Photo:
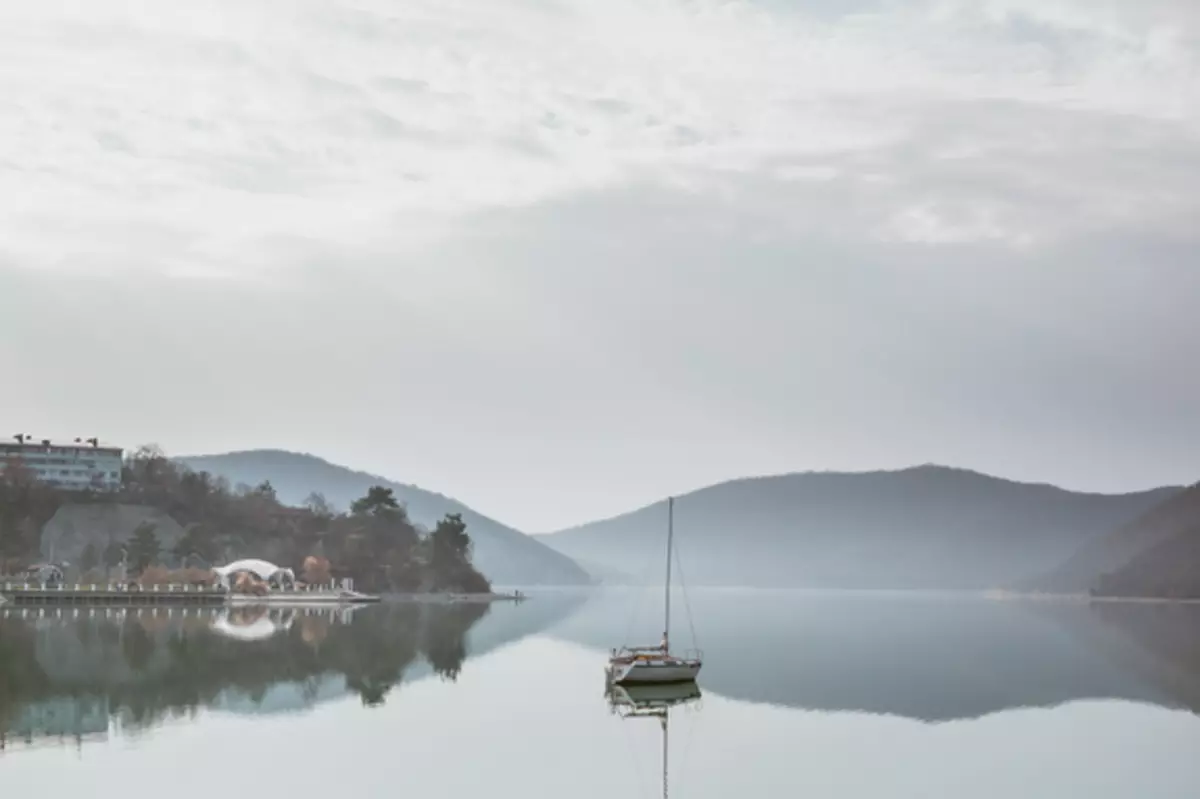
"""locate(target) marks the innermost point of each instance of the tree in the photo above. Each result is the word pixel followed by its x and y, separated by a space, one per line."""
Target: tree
pixel 318 505
pixel 18 541
pixel 199 540
pixel 450 539
pixel 449 548
pixel 26 504
pixel 316 570
pixel 143 547
pixel 148 474
pixel 377 543
pixel 378 501
pixel 196 495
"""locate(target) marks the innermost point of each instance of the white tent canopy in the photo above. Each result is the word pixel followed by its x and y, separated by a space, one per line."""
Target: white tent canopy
pixel 263 570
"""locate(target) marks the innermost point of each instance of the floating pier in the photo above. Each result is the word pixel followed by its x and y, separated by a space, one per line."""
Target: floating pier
pixel 26 594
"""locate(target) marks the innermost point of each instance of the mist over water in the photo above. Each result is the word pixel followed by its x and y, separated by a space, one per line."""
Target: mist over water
pixel 848 694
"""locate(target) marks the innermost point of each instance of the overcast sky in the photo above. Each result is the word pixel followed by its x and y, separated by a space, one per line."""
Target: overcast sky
pixel 558 258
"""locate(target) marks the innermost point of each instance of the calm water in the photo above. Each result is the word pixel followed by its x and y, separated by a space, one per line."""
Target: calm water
pixel 802 694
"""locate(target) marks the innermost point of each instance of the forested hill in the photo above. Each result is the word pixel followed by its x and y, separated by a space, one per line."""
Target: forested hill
pixel 505 555
pixel 1155 555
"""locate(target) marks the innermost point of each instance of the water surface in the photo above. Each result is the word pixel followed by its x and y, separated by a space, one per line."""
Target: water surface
pixel 832 694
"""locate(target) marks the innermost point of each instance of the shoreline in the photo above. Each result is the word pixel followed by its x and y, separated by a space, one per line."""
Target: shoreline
pixel 26 595
pixel 1090 598
pixel 443 598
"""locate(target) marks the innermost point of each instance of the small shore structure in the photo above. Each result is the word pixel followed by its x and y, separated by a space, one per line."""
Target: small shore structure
pixel 267 572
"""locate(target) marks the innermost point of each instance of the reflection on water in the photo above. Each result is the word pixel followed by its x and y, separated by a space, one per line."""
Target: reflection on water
pixel 930 657
pixel 848 695
pixel 65 673
pixel 654 702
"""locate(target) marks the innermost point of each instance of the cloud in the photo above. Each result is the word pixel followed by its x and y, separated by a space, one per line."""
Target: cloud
pixel 699 237
pixel 246 120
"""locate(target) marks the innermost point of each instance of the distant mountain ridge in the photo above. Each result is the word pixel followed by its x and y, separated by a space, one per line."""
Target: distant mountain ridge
pixel 505 555
pixel 923 527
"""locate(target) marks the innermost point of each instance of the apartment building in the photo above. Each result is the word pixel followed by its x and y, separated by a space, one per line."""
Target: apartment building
pixel 76 466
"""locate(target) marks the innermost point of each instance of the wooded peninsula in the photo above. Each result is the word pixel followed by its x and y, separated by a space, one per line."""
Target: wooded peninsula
pixel 204 522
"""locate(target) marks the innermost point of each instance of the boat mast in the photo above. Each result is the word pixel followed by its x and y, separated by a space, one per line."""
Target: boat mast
pixel 666 732
pixel 670 535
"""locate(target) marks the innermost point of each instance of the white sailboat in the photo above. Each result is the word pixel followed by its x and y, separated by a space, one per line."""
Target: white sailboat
pixel 656 664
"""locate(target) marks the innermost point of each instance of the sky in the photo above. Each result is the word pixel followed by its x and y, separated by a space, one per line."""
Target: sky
pixel 559 258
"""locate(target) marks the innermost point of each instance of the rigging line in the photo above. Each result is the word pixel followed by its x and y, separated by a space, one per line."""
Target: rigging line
pixel 687 604
pixel 639 598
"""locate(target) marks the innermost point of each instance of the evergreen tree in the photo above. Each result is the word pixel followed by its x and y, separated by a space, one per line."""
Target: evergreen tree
pixel 143 547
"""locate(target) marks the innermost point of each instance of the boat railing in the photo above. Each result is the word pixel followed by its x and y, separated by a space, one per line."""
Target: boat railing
pixel 693 654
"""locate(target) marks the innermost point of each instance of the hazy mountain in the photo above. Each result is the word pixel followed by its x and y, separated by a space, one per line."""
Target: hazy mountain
pixel 1155 554
pixel 1170 567
pixel 923 527
pixel 506 556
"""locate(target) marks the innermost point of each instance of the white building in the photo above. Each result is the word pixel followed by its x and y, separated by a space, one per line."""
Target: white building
pixel 83 464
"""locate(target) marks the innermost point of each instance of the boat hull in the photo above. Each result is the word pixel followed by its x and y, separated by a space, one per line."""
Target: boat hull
pixel 654 672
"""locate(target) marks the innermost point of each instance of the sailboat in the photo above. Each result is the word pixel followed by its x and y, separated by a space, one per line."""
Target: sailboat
pixel 655 664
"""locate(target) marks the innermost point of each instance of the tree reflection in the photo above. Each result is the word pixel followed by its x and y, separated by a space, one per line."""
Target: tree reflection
pixel 146 667
pixel 444 643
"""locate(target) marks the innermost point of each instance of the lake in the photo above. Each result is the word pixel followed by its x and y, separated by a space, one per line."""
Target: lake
pixel 822 693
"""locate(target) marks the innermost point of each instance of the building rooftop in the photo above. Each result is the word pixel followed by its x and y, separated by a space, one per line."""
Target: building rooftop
pixel 30 444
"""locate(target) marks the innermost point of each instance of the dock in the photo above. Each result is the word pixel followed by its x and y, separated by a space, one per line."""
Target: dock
pixel 27 595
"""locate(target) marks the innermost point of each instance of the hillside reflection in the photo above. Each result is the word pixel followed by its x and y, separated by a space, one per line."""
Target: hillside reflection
pixel 934 658
pixel 68 674
pixel 931 658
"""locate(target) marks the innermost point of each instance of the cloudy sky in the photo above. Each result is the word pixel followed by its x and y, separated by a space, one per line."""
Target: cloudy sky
pixel 560 257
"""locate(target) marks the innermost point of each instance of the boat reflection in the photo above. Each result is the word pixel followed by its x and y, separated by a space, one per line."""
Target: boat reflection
pixel 650 700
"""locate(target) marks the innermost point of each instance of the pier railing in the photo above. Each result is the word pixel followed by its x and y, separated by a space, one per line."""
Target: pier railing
pixel 170 588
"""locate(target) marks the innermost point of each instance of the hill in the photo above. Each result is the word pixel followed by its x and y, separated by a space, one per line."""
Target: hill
pixel 1169 567
pixel 506 556
pixel 923 527
pixel 1155 554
